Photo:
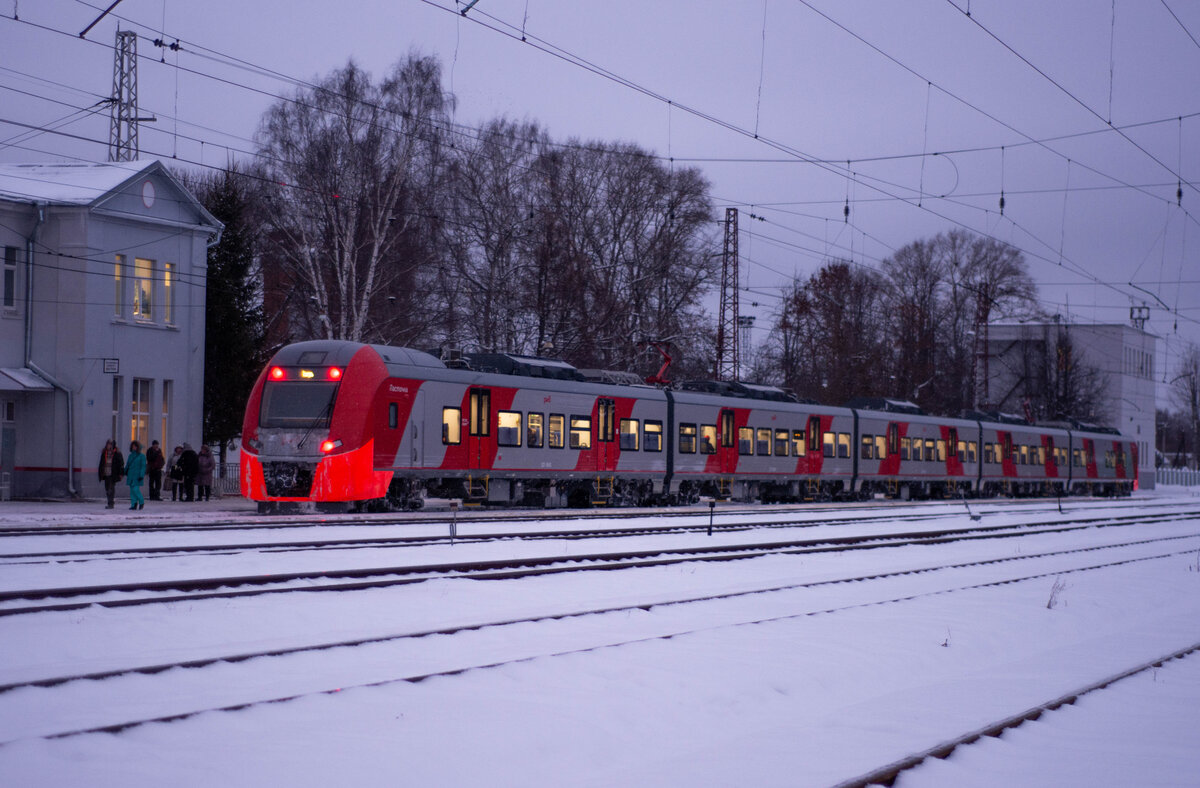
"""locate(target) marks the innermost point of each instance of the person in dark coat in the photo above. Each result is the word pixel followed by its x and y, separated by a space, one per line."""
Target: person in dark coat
pixel 205 462
pixel 112 468
pixel 191 467
pixel 135 474
pixel 154 465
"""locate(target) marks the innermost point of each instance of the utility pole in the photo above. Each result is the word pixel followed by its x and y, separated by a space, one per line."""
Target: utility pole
pixel 123 133
pixel 726 367
pixel 982 310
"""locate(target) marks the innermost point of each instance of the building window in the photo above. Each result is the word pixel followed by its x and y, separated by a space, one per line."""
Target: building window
pixel 164 430
pixel 10 277
pixel 169 292
pixel 139 411
pixel 119 287
pixel 8 411
pixel 143 289
pixel 116 407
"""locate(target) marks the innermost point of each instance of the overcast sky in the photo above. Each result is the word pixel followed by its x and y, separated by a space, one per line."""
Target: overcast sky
pixel 1095 104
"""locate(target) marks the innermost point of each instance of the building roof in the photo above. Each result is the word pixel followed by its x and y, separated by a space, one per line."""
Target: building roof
pixel 85 184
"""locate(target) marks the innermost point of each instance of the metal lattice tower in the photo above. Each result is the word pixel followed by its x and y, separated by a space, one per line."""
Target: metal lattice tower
pixel 123 134
pixel 727 363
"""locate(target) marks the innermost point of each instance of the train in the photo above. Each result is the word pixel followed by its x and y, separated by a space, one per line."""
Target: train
pixel 346 425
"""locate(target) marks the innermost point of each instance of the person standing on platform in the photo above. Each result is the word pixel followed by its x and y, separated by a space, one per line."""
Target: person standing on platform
pixel 112 467
pixel 191 467
pixel 135 474
pixel 154 465
pixel 204 478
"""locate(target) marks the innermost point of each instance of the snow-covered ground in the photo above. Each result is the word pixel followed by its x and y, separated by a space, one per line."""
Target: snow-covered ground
pixel 802 685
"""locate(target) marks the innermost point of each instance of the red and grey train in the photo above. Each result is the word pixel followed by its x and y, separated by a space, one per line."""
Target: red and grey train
pixel 342 423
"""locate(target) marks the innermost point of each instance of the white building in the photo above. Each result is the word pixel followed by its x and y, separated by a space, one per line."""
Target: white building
pixel 1123 354
pixel 101 318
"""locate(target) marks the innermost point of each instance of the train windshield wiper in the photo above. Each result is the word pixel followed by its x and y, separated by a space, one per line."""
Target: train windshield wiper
pixel 325 413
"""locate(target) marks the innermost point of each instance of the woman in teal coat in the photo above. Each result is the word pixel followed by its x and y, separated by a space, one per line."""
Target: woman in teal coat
pixel 135 473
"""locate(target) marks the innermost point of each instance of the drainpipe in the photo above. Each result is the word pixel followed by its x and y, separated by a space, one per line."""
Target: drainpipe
pixel 39 212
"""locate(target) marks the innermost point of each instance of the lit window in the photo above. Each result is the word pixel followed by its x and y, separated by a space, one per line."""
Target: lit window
pixel 169 292
pixel 533 434
pixel 166 413
pixel 451 426
pixel 687 438
pixel 119 287
pixel 781 443
pixel 708 439
pixel 556 431
pixel 843 440
pixel 509 432
pixel 143 289
pixel 745 440
pixel 581 432
pixel 880 446
pixel 827 441
pixel 798 442
pixel 652 436
pixel 629 434
pixel 139 411
pixel 868 448
pixel 762 445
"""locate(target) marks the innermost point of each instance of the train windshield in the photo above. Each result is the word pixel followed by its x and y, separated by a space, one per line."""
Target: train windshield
pixel 297 405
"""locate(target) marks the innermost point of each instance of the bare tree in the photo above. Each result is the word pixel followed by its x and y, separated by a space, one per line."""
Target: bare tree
pixel 350 161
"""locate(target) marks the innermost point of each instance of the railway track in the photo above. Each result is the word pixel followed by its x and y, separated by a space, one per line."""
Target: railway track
pixel 600 638
pixel 889 773
pixel 511 568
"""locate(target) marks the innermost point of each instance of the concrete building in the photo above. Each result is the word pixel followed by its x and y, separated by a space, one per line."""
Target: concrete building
pixel 101 318
pixel 1123 355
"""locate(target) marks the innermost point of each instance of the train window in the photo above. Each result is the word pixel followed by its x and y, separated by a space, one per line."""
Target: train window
pixel 727 429
pixel 708 439
pixel 509 428
pixel 918 449
pixel 533 431
pixel 762 446
pixel 652 435
pixel 868 447
pixel 905 448
pixel 941 450
pixel 962 451
pixel 745 440
pixel 843 443
pixel 972 448
pixel 581 432
pixel 827 443
pixel 781 443
pixel 297 405
pixel 556 429
pixel 953 436
pixel 481 412
pixel 1024 459
pixel 930 448
pixel 451 426
pixel 814 433
pixel 687 438
pixel 893 439
pixel 798 442
pixel 880 447
pixel 393 415
pixel 629 434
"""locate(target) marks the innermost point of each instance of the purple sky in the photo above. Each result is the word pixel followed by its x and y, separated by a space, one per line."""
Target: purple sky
pixel 778 67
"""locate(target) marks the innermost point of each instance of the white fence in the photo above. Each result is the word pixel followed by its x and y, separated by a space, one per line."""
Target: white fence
pixel 230 484
pixel 1184 477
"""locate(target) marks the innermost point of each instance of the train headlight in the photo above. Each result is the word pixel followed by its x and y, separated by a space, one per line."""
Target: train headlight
pixel 335 373
pixel 277 373
pixel 328 446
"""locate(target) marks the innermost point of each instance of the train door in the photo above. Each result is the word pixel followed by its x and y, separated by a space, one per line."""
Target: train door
pixel 480 446
pixel 607 448
pixel 416 419
pixel 727 453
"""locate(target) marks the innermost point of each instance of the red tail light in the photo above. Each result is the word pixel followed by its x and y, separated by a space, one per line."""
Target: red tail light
pixel 328 446
pixel 277 373
pixel 335 373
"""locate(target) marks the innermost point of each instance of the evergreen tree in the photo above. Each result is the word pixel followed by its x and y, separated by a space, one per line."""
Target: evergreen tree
pixel 233 341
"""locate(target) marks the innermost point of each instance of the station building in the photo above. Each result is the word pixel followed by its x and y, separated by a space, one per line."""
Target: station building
pixel 1124 356
pixel 101 319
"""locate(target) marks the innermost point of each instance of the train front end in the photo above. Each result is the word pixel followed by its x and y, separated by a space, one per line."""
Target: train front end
pixel 306 436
